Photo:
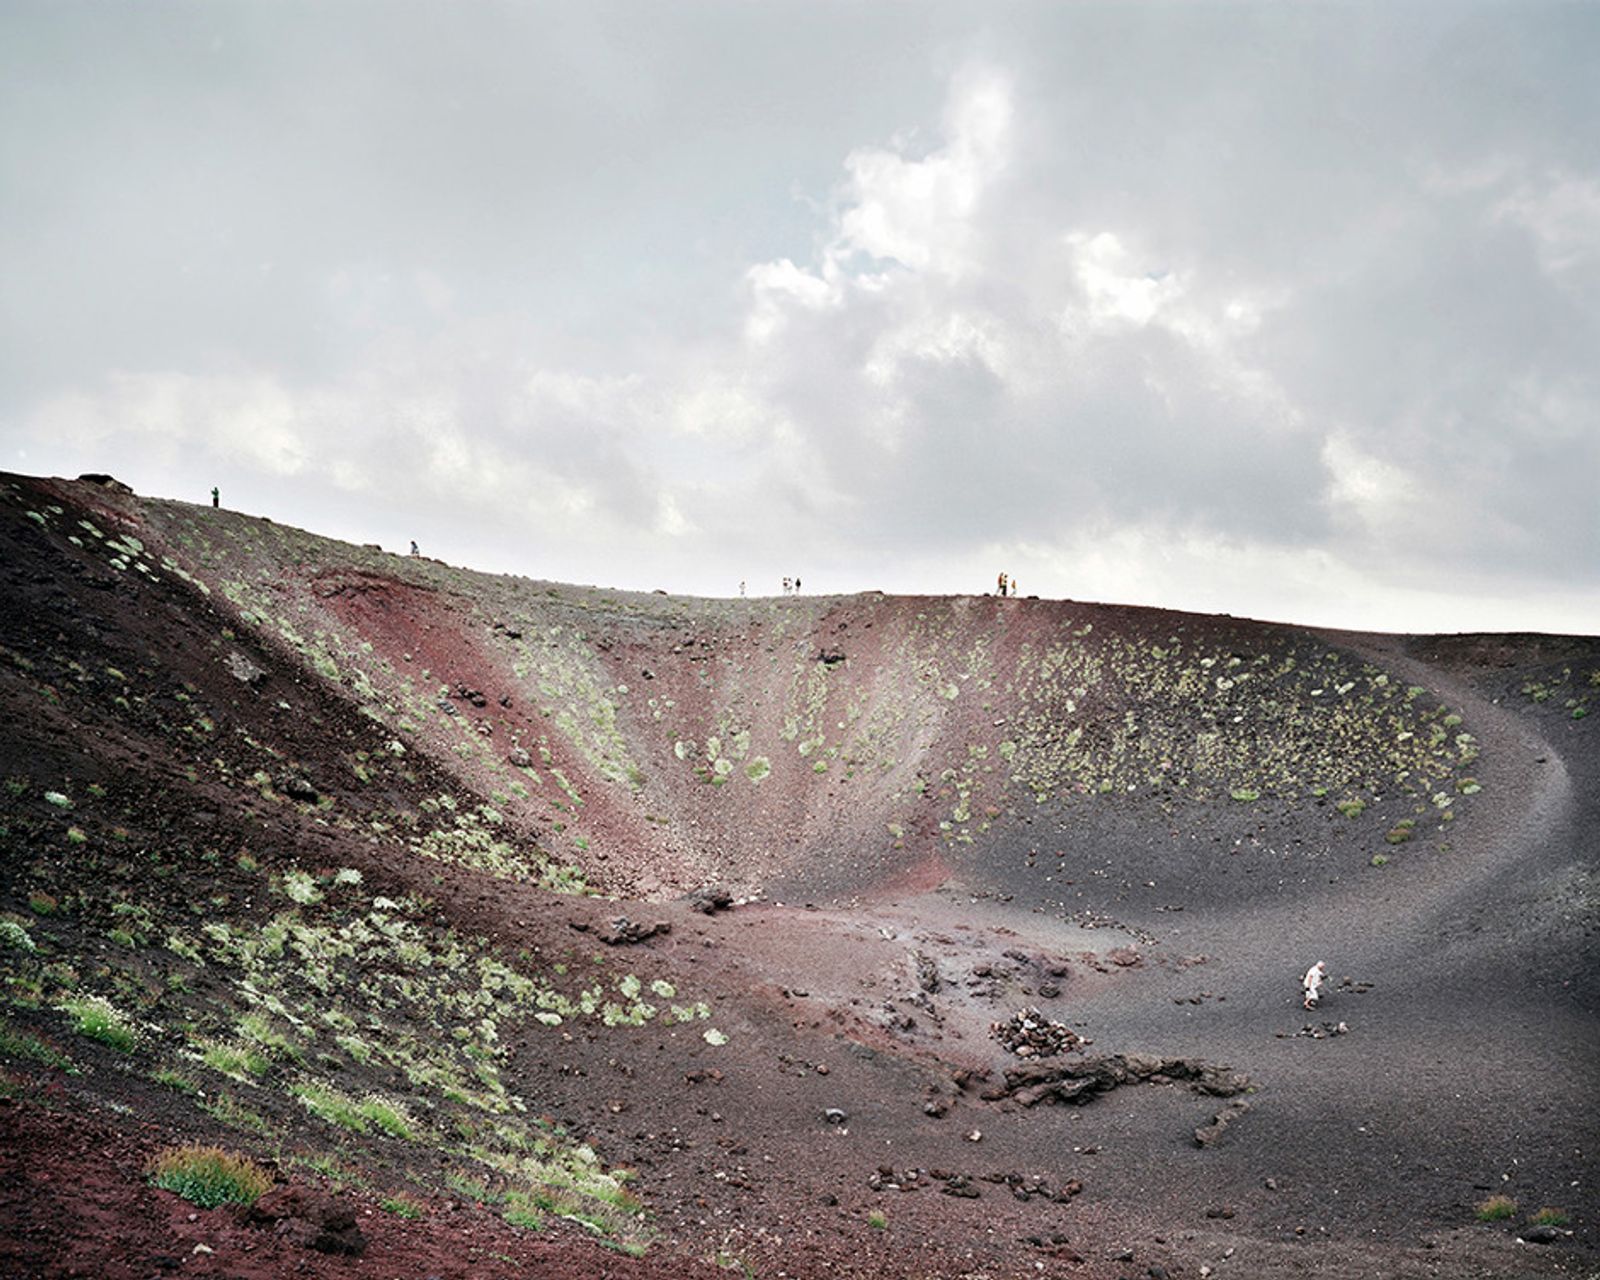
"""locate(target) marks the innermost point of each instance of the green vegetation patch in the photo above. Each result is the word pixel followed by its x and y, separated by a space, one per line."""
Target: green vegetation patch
pixel 16 1043
pixel 98 1019
pixel 360 1115
pixel 209 1176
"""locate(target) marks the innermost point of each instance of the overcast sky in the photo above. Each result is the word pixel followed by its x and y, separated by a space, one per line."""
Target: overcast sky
pixel 1280 310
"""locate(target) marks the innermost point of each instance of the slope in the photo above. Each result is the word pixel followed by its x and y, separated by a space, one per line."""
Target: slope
pixel 362 862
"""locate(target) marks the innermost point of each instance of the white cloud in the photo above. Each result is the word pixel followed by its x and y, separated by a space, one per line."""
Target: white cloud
pixel 922 213
pixel 1206 338
pixel 1562 214
pixel 249 420
pixel 1371 492
pixel 1115 288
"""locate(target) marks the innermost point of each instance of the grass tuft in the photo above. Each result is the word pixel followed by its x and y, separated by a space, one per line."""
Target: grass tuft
pixel 24 1044
pixel 209 1176
pixel 404 1206
pixel 1496 1209
pixel 97 1018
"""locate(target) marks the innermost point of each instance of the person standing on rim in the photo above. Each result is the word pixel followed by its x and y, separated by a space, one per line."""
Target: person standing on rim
pixel 216 497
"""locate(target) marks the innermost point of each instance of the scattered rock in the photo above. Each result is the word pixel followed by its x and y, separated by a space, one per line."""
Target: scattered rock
pixel 1318 1031
pixel 836 1115
pixel 519 757
pixel 1207 1134
pixel 1056 1245
pixel 473 696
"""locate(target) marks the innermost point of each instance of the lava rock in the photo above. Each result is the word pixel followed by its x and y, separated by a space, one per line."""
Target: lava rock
pixel 1207 1134
pixel 709 899
pixel 1029 1034
pixel 242 669
pixel 309 1219
pixel 297 787
pixel 622 931
pixel 1542 1234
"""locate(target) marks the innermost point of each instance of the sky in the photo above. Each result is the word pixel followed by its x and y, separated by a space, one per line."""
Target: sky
pixel 1283 310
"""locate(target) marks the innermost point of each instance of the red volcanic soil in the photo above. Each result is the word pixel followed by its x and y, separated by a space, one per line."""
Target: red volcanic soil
pixel 267 792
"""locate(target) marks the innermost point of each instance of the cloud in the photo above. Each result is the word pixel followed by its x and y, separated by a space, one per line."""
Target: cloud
pixel 1143 313
pixel 1562 213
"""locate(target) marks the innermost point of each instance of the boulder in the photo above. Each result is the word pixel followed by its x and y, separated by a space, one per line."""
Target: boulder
pixel 310 1219
pixel 622 931
pixel 709 899
pixel 242 669
pixel 105 482
pixel 297 787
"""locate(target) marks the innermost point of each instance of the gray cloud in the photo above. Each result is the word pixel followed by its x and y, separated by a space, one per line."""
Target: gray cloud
pixel 1269 309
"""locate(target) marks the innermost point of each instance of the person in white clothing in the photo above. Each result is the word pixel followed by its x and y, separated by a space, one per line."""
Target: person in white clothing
pixel 1312 982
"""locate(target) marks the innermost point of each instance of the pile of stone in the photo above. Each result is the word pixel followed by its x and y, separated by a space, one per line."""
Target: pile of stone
pixel 1027 1186
pixel 1320 1030
pixel 965 1185
pixel 1029 1034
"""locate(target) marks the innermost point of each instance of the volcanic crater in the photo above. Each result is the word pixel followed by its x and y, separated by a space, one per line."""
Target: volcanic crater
pixel 518 928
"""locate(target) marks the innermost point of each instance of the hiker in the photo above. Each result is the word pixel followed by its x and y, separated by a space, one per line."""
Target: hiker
pixel 216 498
pixel 1000 584
pixel 797 586
pixel 786 586
pixel 741 588
pixel 413 546
pixel 1312 982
